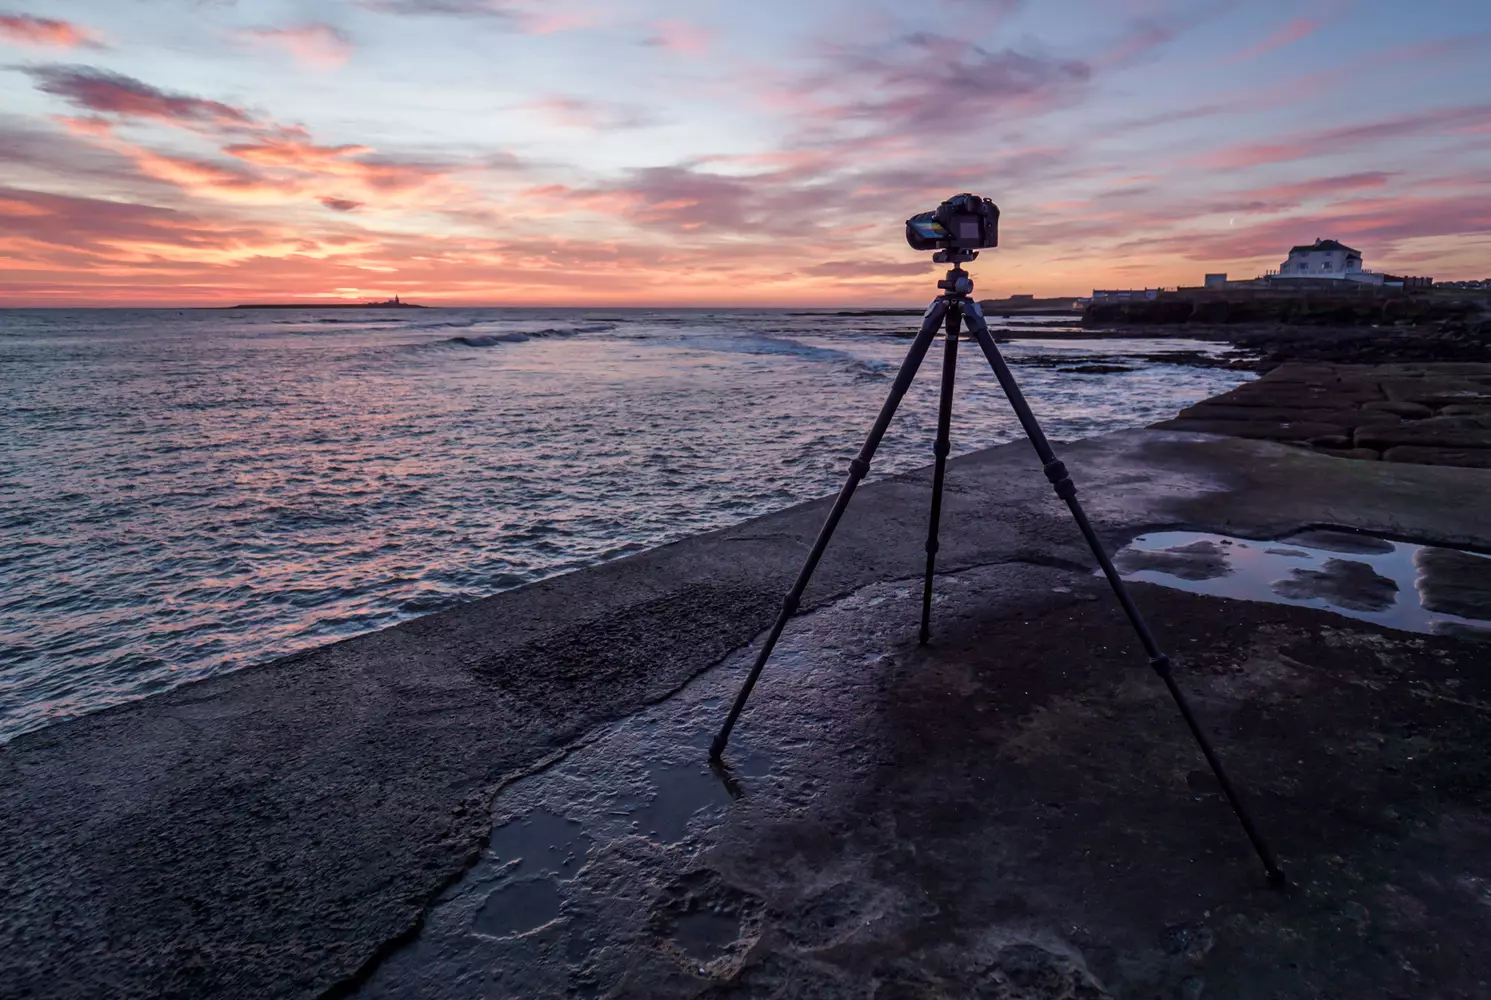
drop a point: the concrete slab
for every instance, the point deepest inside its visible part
(278, 831)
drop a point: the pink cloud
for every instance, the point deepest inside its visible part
(680, 36)
(1336, 140)
(579, 112)
(46, 31)
(545, 22)
(313, 43)
(1285, 34)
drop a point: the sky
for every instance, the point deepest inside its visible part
(712, 153)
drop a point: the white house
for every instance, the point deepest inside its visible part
(1326, 259)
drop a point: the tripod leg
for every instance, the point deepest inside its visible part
(857, 469)
(940, 449)
(1067, 490)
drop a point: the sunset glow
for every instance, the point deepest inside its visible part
(656, 152)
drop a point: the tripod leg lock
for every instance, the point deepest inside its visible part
(1161, 665)
(931, 546)
(858, 469)
(941, 447)
(1056, 473)
(789, 604)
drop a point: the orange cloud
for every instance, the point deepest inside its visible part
(46, 31)
(314, 43)
(292, 153)
(89, 125)
(212, 180)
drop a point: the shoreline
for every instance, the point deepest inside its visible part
(277, 830)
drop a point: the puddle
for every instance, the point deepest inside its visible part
(539, 842)
(1401, 585)
(518, 908)
(705, 936)
(682, 792)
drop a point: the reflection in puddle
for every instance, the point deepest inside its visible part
(1416, 588)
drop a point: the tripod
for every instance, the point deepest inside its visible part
(952, 306)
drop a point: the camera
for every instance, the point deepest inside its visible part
(963, 222)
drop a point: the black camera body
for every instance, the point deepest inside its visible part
(963, 222)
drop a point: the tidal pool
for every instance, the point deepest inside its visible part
(1401, 585)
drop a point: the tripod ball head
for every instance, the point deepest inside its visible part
(963, 222)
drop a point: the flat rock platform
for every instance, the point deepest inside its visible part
(510, 800)
(1431, 413)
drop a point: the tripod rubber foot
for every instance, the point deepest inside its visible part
(1278, 880)
(924, 637)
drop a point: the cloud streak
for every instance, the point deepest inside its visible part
(314, 44)
(105, 92)
(1325, 142)
(681, 37)
(528, 16)
(47, 32)
(1286, 34)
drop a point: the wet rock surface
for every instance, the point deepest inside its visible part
(945, 821)
(282, 831)
(1423, 413)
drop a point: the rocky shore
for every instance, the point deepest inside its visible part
(510, 799)
(1425, 413)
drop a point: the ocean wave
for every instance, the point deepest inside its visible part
(513, 336)
(484, 340)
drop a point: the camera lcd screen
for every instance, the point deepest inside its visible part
(968, 229)
(929, 229)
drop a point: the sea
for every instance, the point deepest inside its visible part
(184, 493)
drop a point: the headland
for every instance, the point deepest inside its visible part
(392, 303)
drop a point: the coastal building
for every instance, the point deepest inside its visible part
(1330, 260)
(1322, 259)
